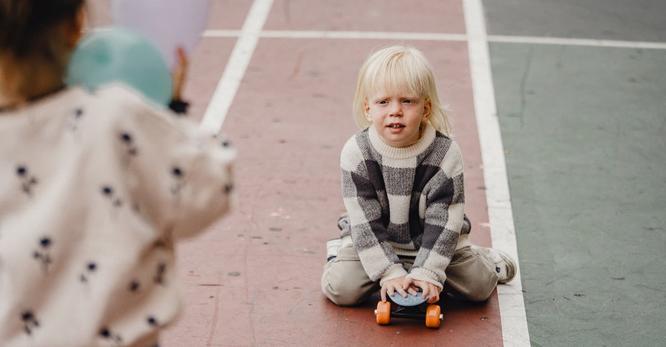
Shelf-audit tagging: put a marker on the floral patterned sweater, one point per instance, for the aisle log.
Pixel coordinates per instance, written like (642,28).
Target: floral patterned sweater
(95,189)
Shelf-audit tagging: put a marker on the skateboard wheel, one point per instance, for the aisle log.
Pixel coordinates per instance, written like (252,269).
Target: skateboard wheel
(433,316)
(383,313)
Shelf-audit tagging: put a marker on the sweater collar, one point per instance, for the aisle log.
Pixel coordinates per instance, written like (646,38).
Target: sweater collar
(427,138)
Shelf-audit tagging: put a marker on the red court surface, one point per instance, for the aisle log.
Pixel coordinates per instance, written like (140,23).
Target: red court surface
(253,279)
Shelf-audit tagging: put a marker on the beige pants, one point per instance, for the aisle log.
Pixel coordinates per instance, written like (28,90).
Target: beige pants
(470,275)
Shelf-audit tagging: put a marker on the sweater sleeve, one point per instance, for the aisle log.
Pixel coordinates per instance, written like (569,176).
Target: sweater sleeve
(368,232)
(444,219)
(179,177)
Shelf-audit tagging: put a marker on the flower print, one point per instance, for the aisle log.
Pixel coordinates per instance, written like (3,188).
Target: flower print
(28,181)
(30,322)
(42,254)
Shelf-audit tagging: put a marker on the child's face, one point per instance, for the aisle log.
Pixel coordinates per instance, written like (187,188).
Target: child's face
(397,116)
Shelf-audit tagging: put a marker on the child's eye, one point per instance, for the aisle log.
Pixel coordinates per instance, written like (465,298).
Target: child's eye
(382,102)
(407,101)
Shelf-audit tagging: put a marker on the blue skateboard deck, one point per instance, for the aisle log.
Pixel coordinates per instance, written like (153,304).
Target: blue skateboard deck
(409,300)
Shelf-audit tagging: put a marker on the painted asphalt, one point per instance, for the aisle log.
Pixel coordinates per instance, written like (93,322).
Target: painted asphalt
(254,279)
(582,129)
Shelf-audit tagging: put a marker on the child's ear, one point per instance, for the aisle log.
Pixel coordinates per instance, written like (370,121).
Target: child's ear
(74,29)
(366,110)
(427,109)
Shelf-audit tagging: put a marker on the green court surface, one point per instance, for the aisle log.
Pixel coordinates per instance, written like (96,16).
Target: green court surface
(636,20)
(584,131)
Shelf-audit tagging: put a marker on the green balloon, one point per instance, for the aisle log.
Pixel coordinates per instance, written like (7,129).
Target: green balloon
(119,55)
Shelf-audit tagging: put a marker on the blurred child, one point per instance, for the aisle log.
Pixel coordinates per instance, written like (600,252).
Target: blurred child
(402,183)
(95,189)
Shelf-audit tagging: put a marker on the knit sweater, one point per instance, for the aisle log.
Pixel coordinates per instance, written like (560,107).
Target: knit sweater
(402,201)
(95,190)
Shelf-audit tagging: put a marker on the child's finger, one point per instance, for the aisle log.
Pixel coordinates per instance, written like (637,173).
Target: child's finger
(426,291)
(401,291)
(411,290)
(382,293)
(434,294)
(407,282)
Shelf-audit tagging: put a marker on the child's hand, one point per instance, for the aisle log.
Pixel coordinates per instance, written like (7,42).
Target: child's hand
(179,73)
(429,290)
(400,284)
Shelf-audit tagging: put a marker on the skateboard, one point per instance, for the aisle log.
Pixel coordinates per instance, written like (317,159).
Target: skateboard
(413,306)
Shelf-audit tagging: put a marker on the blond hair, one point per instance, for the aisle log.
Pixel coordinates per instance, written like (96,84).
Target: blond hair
(393,69)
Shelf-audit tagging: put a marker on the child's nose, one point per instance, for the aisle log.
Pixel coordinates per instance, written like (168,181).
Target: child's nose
(396,109)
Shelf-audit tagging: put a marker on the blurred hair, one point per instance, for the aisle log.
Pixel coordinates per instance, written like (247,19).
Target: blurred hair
(30,46)
(396,69)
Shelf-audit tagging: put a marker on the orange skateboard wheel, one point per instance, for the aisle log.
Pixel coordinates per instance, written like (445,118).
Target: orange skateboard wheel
(433,316)
(383,313)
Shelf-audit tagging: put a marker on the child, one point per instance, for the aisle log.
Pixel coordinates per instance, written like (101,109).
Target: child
(402,184)
(95,189)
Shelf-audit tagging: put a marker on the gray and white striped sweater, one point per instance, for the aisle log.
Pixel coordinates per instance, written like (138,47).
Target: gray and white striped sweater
(407,201)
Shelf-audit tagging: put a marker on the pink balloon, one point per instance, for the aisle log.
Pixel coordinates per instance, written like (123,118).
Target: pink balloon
(167,23)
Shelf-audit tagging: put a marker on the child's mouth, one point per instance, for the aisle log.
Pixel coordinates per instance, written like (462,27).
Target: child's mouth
(395,126)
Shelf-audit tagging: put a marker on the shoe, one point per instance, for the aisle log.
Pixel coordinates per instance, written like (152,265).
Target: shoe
(332,247)
(343,222)
(504,265)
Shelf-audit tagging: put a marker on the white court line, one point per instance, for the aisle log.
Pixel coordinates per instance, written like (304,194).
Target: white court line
(235,69)
(370,35)
(576,42)
(377,35)
(512,306)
